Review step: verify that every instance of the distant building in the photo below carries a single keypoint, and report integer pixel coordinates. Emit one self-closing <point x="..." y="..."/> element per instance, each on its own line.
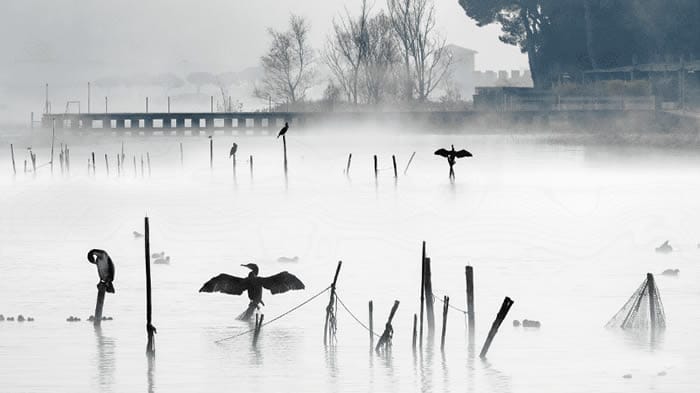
<point x="462" y="73"/>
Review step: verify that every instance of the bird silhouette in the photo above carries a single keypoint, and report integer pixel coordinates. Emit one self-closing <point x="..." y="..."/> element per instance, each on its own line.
<point x="105" y="268"/>
<point x="233" y="151"/>
<point x="452" y="156"/>
<point x="283" y="130"/>
<point x="254" y="284"/>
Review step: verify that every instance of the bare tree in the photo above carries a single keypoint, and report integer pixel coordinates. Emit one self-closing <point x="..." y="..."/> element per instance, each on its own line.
<point x="426" y="61"/>
<point x="346" y="50"/>
<point x="381" y="58"/>
<point x="288" y="63"/>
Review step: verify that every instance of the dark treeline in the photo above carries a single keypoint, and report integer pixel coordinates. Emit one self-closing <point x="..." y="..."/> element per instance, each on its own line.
<point x="570" y="36"/>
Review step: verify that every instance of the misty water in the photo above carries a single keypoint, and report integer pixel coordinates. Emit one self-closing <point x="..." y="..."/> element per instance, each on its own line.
<point x="567" y="231"/>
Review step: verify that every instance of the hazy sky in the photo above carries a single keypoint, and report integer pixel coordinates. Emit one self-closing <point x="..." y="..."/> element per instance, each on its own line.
<point x="84" y="39"/>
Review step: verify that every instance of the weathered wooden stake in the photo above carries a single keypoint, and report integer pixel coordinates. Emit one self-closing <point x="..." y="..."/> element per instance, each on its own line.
<point x="469" y="273"/>
<point x="422" y="293"/>
<point x="258" y="326"/>
<point x="150" y="329"/>
<point x="101" y="288"/>
<point x="393" y="159"/>
<point x="429" y="299"/>
<point x="119" y="166"/>
<point x="251" y="167"/>
<point x="445" y="308"/>
<point x="107" y="164"/>
<point x="371" y="325"/>
<point x="384" y="341"/>
<point x="409" y="162"/>
<point x="182" y="159"/>
<point x="415" y="330"/>
<point x="93" y="163"/>
<point x="135" y="173"/>
<point x="651" y="288"/>
<point x="376" y="169"/>
<point x="347" y="169"/>
<point x="12" y="153"/>
<point x="67" y="158"/>
<point x="141" y="165"/>
<point x="505" y="307"/>
<point x="284" y="144"/>
<point x="211" y="153"/>
<point x="331" y="303"/>
<point x="148" y="161"/>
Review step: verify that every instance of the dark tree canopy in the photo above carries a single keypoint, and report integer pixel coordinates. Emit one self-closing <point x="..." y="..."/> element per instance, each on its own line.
<point x="570" y="36"/>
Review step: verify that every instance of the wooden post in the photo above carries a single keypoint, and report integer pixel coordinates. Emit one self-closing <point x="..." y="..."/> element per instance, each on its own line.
<point x="234" y="167"/>
<point x="93" y="162"/>
<point x="284" y="144"/>
<point x="409" y="162"/>
<point x="148" y="161"/>
<point x="469" y="273"/>
<point x="107" y="164"/>
<point x="422" y="293"/>
<point x="67" y="158"/>
<point x="651" y="287"/>
<point x="385" y="340"/>
<point x="141" y="165"/>
<point x="135" y="173"/>
<point x="347" y="169"/>
<point x="415" y="330"/>
<point x="445" y="309"/>
<point x="100" y="303"/>
<point x="12" y="153"/>
<point x="429" y="300"/>
<point x="150" y="329"/>
<point x="211" y="153"/>
<point x="119" y="166"/>
<point x="182" y="160"/>
<point x="331" y="303"/>
<point x="371" y="325"/>
<point x="251" y="167"/>
<point x="258" y="326"/>
<point x="505" y="307"/>
<point x="393" y="159"/>
<point x="376" y="170"/>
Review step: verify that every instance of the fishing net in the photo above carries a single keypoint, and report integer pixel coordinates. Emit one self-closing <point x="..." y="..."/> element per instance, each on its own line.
<point x="643" y="310"/>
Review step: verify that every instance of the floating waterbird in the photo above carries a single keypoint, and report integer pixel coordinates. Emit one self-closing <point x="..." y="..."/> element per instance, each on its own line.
<point x="232" y="285"/>
<point x="283" y="130"/>
<point x="664" y="248"/>
<point x="234" y="149"/>
<point x="137" y="235"/>
<point x="671" y="272"/>
<point x="452" y="156"/>
<point x="162" y="261"/>
<point x="105" y="268"/>
<point x="288" y="259"/>
<point x="158" y="255"/>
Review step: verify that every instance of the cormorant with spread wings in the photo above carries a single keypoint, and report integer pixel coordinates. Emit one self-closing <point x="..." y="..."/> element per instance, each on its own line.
<point x="254" y="284"/>
<point x="452" y="156"/>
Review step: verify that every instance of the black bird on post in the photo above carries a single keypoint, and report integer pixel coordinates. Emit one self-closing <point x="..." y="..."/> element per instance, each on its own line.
<point x="105" y="269"/>
<point x="452" y="156"/>
<point x="283" y="130"/>
<point x="254" y="284"/>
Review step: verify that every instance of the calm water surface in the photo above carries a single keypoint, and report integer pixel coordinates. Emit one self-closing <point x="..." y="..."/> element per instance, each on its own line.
<point x="567" y="231"/>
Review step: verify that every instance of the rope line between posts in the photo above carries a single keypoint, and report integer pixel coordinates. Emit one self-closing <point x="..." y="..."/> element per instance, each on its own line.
<point x="353" y="315"/>
<point x="449" y="305"/>
<point x="277" y="317"/>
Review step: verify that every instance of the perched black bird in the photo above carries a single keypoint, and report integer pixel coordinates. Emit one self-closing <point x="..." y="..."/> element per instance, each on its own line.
<point x="105" y="268"/>
<point x="452" y="156"/>
<point x="254" y="284"/>
<point x="283" y="130"/>
<point x="233" y="151"/>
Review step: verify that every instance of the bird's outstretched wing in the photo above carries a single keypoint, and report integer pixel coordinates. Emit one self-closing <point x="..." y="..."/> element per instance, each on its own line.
<point x="225" y="283"/>
<point x="442" y="152"/>
<point x="462" y="153"/>
<point x="282" y="282"/>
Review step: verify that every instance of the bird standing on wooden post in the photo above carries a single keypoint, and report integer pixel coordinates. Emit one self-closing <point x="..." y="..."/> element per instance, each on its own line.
<point x="105" y="268"/>
<point x="254" y="284"/>
<point x="452" y="156"/>
<point x="283" y="130"/>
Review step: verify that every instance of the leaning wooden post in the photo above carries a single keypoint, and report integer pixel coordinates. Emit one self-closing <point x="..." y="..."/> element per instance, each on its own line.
<point x="445" y="308"/>
<point x="422" y="293"/>
<point x="409" y="162"/>
<point x="371" y="325"/>
<point x="284" y="144"/>
<point x="393" y="159"/>
<point x="330" y="315"/>
<point x="347" y="169"/>
<point x="469" y="273"/>
<point x="415" y="330"/>
<point x="119" y="166"/>
<point x="12" y="153"/>
<point x="651" y="288"/>
<point x="211" y="153"/>
<point x="148" y="161"/>
<point x="150" y="329"/>
<point x="107" y="164"/>
<point x="384" y="341"/>
<point x="505" y="307"/>
<point x="429" y="299"/>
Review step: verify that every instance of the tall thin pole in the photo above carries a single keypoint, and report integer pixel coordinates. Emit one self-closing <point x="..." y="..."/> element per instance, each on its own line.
<point x="46" y="110"/>
<point x="150" y="329"/>
<point x="12" y="153"/>
<point x="347" y="169"/>
<point x="445" y="309"/>
<point x="505" y="307"/>
<point x="396" y="174"/>
<point x="422" y="294"/>
<point x="284" y="144"/>
<point x="146" y="104"/>
<point x="53" y="139"/>
<point x="371" y="325"/>
<point x="331" y="301"/>
<point x="211" y="153"/>
<point x="107" y="164"/>
<point x="469" y="278"/>
<point x="251" y="167"/>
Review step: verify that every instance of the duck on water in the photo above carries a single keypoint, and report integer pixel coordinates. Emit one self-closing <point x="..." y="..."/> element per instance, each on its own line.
<point x="253" y="284"/>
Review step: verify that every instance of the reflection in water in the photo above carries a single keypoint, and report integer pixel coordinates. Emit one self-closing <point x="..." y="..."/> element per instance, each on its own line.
<point x="648" y="340"/>
<point x="499" y="381"/>
<point x="105" y="360"/>
<point x="151" y="371"/>
<point x="331" y="362"/>
<point x="426" y="368"/>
